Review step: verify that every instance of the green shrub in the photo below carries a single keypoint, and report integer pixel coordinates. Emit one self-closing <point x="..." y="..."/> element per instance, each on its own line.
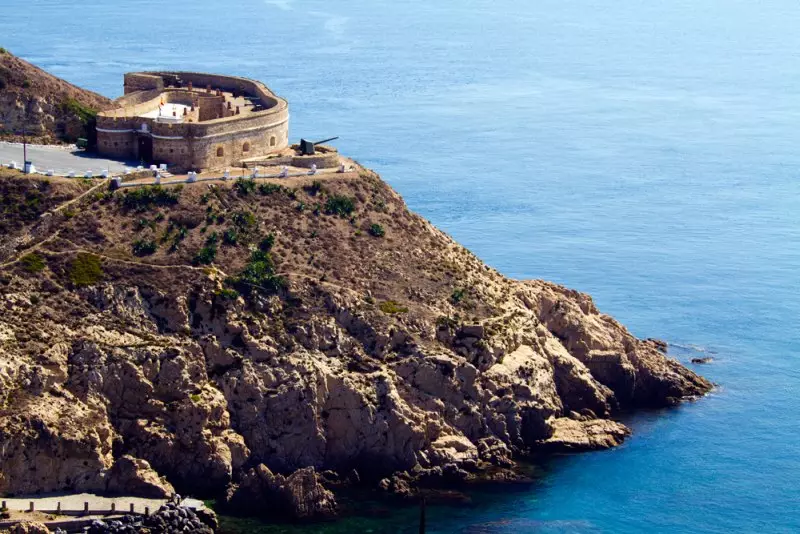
<point x="26" y="84"/>
<point x="33" y="263"/>
<point x="244" y="221"/>
<point x="458" y="295"/>
<point x="212" y="239"/>
<point x="84" y="113"/>
<point x="143" y="247"/>
<point x="314" y="188"/>
<point x="85" y="270"/>
<point x="195" y="397"/>
<point x="376" y="230"/>
<point x="206" y="255"/>
<point x="3" y="51"/>
<point x="230" y="237"/>
<point x="244" y="186"/>
<point x="268" y="188"/>
<point x="258" y="276"/>
<point x="267" y="243"/>
<point x="339" y="205"/>
<point x="228" y="294"/>
<point x="143" y="198"/>
<point x="391" y="307"/>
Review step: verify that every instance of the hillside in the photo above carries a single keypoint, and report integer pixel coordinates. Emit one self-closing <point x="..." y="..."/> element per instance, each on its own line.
<point x="265" y="343"/>
<point x="51" y="109"/>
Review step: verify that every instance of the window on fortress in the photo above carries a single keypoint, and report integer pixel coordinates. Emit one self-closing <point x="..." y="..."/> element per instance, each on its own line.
<point x="171" y="150"/>
<point x="220" y="152"/>
<point x="272" y="141"/>
<point x="246" y="147"/>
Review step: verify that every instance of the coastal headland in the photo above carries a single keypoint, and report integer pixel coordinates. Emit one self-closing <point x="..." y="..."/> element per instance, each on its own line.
<point x="266" y="342"/>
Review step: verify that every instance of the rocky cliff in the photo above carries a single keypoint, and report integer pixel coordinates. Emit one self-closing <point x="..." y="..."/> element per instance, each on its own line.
<point x="271" y="342"/>
<point x="49" y="109"/>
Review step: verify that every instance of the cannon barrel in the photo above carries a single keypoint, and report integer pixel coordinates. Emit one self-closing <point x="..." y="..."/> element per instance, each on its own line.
<point x="326" y="140"/>
<point x="307" y="147"/>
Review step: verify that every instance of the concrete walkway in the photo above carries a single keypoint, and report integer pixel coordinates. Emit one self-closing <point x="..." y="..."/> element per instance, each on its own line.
<point x="61" y="159"/>
<point x="76" y="502"/>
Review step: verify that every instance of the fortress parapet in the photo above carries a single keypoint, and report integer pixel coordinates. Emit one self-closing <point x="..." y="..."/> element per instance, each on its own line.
<point x="192" y="120"/>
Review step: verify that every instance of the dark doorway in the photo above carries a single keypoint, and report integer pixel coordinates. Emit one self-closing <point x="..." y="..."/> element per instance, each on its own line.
<point x="146" y="149"/>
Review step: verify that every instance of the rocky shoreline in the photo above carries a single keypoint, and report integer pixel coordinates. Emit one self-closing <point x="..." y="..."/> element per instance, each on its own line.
<point x="393" y="360"/>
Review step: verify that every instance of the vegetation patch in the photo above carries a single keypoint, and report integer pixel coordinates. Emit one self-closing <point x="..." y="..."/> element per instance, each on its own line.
<point x="244" y="186"/>
<point x="339" y="205"/>
<point x="33" y="263"/>
<point x="144" y="247"/>
<point x="258" y="276"/>
<point x="391" y="307"/>
<point x="458" y="295"/>
<point x="227" y="294"/>
<point x="267" y="243"/>
<point x="149" y="196"/>
<point x="269" y="189"/>
<point x="85" y="270"/>
<point x="208" y="253"/>
<point x="376" y="230"/>
<point x="314" y="188"/>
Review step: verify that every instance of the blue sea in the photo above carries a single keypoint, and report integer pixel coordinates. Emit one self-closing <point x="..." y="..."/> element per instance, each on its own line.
<point x="645" y="152"/>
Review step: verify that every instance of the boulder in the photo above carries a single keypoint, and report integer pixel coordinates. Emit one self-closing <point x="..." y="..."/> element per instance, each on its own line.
<point x="133" y="476"/>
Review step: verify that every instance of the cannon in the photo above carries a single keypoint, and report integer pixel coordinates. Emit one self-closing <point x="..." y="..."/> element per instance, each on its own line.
<point x="307" y="147"/>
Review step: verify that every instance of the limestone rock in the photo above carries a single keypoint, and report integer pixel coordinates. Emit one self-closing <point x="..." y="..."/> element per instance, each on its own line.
<point x="574" y="436"/>
<point x="29" y="527"/>
<point x="132" y="476"/>
<point x="299" y="496"/>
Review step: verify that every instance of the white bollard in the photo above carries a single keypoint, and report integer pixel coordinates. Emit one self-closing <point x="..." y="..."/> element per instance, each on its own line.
<point x="341" y="167"/>
<point x="284" y="172"/>
<point x="127" y="170"/>
<point x="192" y="177"/>
<point x="104" y="174"/>
<point x="313" y="169"/>
<point x="116" y="182"/>
<point x="139" y="168"/>
<point x="163" y="167"/>
<point x="88" y="174"/>
<point x="71" y="174"/>
<point x="158" y="179"/>
<point x="255" y="174"/>
<point x="50" y="172"/>
<point x="226" y="174"/>
<point x="153" y="168"/>
<point x="12" y="165"/>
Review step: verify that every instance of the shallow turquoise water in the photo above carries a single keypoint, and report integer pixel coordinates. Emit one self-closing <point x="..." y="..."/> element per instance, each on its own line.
<point x="644" y="152"/>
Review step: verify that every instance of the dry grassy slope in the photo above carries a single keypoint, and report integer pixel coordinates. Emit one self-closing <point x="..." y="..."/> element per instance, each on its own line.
<point x="401" y="353"/>
<point x="51" y="108"/>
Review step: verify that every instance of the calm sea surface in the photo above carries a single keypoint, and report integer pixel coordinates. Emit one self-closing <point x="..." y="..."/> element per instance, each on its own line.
<point x="647" y="153"/>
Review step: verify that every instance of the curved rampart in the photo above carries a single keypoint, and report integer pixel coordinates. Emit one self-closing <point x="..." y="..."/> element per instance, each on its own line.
<point x="196" y="144"/>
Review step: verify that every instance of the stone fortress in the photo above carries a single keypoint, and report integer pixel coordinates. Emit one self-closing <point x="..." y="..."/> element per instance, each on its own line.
<point x="193" y="121"/>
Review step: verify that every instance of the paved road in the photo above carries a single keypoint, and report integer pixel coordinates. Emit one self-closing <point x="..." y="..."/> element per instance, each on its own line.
<point x="60" y="159"/>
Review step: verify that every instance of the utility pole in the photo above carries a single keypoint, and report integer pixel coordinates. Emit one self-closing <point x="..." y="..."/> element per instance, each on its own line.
<point x="25" y="146"/>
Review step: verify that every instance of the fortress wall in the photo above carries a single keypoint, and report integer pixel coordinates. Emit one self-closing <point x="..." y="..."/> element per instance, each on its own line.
<point x="195" y="145"/>
<point x="232" y="145"/>
<point x="142" y="81"/>
<point x="117" y="145"/>
<point x="177" y="153"/>
<point x="229" y="83"/>
<point x="133" y="99"/>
